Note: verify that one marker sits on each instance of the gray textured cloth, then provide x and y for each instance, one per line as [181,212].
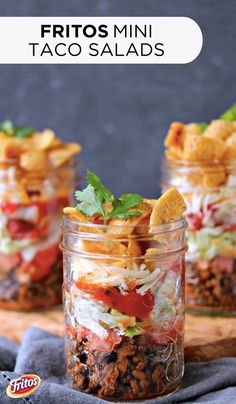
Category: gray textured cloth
[43,353]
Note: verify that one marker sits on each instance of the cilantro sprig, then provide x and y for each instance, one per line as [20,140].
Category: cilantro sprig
[8,129]
[96,198]
[202,126]
[230,114]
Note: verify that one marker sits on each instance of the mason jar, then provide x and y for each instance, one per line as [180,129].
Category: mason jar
[209,189]
[124,308]
[30,217]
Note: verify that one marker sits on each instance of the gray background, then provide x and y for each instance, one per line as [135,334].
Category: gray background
[120,113]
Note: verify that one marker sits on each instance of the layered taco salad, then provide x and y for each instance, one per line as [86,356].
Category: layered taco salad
[201,162]
[36,183]
[123,289]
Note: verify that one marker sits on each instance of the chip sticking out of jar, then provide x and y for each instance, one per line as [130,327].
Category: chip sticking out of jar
[98,205]
[37,172]
[124,292]
[201,163]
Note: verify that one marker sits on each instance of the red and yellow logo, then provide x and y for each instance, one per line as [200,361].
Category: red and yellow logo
[23,386]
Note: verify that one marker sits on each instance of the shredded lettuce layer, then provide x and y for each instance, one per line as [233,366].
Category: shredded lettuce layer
[99,318]
[27,247]
[207,243]
[7,245]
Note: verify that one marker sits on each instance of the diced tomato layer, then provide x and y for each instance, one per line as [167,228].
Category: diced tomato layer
[105,344]
[94,342]
[23,229]
[130,303]
[8,262]
[40,266]
[195,221]
[8,208]
[232,227]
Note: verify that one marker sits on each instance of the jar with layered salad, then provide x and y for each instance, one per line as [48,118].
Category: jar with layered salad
[37,174]
[124,303]
[201,163]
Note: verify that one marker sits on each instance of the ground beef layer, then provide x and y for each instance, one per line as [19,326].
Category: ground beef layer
[43,293]
[137,368]
[210,289]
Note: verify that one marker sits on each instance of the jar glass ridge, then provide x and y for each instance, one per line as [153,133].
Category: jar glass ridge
[124,308]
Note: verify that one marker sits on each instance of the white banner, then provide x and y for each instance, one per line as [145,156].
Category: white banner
[99,40]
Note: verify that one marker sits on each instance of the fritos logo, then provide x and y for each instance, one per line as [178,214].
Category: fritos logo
[23,386]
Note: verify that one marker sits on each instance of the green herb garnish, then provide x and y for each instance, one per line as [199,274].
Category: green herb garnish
[23,132]
[97,199]
[7,128]
[20,132]
[230,114]
[202,126]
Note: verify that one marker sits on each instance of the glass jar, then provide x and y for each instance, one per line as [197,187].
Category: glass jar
[209,189]
[30,218]
[124,308]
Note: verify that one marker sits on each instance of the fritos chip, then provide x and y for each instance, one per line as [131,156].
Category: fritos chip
[214,179]
[216,143]
[73,148]
[219,129]
[127,236]
[36,151]
[134,248]
[174,154]
[192,129]
[56,143]
[104,247]
[11,148]
[152,251]
[150,202]
[33,161]
[230,145]
[126,227]
[149,261]
[168,208]
[61,155]
[203,148]
[175,136]
[43,140]
[75,214]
